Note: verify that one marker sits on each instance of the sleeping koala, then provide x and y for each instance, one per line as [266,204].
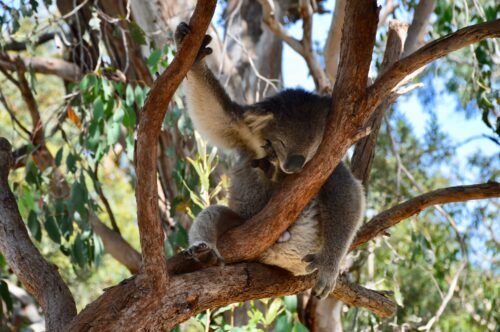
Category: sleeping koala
[273,138]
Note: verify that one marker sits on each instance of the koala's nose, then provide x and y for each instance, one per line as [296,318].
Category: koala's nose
[294,164]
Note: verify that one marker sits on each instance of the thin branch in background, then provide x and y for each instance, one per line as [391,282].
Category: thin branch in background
[269,82]
[304,46]
[104,199]
[419,25]
[451,222]
[332,45]
[12,115]
[388,9]
[21,46]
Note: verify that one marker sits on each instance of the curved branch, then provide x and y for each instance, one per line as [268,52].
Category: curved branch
[384,220]
[428,53]
[39,277]
[153,112]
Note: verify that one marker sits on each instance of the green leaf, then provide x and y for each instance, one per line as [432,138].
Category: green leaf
[139,96]
[80,252]
[283,323]
[52,229]
[129,96]
[32,174]
[59,156]
[129,118]
[290,302]
[5,294]
[113,133]
[98,108]
[154,57]
[34,226]
[298,327]
[137,34]
[119,115]
[107,88]
[71,162]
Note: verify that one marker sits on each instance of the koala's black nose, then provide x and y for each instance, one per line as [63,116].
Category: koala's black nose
[294,164]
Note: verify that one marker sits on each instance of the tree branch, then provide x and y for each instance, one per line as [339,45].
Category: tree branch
[428,53]
[39,277]
[21,46]
[418,26]
[384,220]
[361,161]
[332,46]
[51,66]
[153,112]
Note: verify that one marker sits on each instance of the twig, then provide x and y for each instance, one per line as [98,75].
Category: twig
[12,115]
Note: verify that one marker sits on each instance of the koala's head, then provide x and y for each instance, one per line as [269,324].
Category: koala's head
[291,125]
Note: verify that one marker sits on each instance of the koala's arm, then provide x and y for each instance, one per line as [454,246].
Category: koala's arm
[214,114]
[341,209]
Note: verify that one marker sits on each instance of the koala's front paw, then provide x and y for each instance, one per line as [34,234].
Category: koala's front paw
[328,272]
[183,29]
[204,253]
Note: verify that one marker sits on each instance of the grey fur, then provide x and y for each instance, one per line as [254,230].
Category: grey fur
[285,130]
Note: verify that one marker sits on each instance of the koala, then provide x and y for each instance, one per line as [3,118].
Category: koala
[273,138]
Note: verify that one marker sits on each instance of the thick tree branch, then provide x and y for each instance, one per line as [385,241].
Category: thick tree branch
[51,66]
[39,277]
[384,220]
[153,112]
[428,53]
[221,286]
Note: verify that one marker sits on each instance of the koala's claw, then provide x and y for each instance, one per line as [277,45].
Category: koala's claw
[181,32]
[204,253]
[183,29]
[327,274]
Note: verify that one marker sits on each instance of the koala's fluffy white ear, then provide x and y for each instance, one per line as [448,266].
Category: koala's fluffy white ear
[257,120]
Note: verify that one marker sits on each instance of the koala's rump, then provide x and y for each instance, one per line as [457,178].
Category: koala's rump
[304,239]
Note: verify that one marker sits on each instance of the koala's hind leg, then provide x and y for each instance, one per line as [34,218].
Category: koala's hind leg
[207,227]
[341,208]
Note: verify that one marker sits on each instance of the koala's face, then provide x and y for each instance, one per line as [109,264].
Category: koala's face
[294,142]
[292,131]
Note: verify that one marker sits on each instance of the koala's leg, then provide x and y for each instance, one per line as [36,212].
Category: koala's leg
[341,208]
[207,227]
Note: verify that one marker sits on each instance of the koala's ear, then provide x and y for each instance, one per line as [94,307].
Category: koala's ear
[256,120]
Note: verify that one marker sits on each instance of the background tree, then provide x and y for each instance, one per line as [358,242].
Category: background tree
[84,108]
